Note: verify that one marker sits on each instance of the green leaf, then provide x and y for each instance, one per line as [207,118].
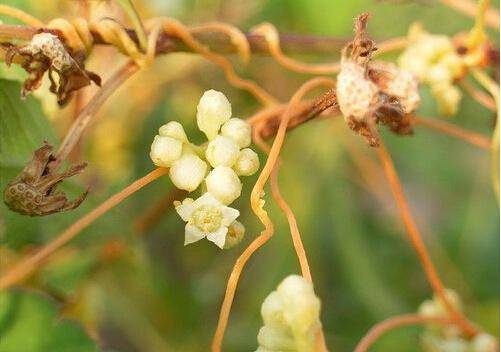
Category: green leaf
[29,322]
[23,128]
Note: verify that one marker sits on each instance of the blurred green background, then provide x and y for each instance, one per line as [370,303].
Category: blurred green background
[138,289]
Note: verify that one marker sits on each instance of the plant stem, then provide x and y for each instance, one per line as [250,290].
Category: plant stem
[416,240]
[28,265]
[395,322]
[84,117]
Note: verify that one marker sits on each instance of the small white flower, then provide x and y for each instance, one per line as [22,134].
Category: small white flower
[236,232]
[222,151]
[238,130]
[224,184]
[188,172]
[174,130]
[213,110]
[247,162]
[165,150]
[207,218]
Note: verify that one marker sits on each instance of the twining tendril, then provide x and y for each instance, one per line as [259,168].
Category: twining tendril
[257,204]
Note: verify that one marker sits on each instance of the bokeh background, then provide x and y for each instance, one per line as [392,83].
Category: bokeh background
[129,280]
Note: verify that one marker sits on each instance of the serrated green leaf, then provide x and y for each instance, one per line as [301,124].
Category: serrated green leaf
[29,322]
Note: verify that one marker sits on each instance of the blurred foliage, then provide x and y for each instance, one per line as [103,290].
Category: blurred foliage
[143,291]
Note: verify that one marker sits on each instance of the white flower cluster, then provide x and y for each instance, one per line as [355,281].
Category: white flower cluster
[291,316]
[434,61]
[439,338]
[50,46]
[219,163]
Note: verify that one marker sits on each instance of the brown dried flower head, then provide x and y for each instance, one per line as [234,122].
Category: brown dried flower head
[46,52]
[33,192]
[369,93]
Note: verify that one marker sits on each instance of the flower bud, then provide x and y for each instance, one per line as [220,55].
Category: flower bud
[238,130]
[174,130]
[213,110]
[165,150]
[302,306]
[448,98]
[247,162]
[272,310]
[224,184]
[275,339]
[235,235]
[484,343]
[222,151]
[188,172]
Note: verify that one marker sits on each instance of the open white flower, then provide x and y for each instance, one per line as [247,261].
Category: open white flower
[206,217]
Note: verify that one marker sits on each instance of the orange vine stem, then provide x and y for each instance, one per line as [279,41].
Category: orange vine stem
[27,266]
[395,322]
[469,136]
[257,206]
[417,241]
[469,8]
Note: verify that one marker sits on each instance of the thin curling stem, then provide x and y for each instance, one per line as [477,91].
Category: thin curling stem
[20,15]
[30,264]
[417,242]
[257,206]
[396,322]
[84,117]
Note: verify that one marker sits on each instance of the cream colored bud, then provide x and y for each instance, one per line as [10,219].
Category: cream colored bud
[247,162]
[222,151]
[302,306]
[188,172]
[276,339]
[224,184]
[484,343]
[174,130]
[165,150]
[448,98]
[235,235]
[272,310]
[238,130]
[213,110]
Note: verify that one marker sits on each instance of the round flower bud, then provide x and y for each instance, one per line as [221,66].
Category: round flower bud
[188,172]
[235,235]
[238,130]
[275,339]
[165,150]
[483,343]
[302,306]
[247,162]
[174,130]
[272,311]
[224,184]
[213,110]
[222,151]
[448,98]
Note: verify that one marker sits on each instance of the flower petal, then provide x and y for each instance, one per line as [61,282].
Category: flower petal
[206,199]
[185,209]
[218,237]
[192,234]
[229,215]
